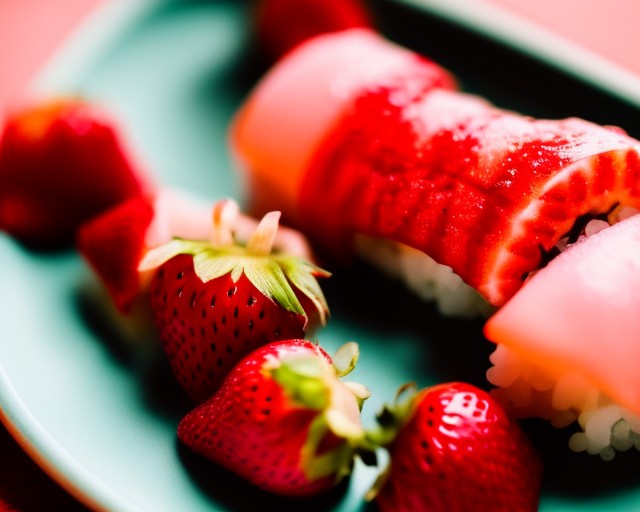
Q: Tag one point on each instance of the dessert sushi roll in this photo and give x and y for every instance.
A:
(568, 342)
(372, 150)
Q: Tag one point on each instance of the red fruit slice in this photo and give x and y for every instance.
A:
(61, 163)
(482, 190)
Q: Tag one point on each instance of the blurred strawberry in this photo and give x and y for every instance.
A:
(61, 163)
(113, 243)
(283, 24)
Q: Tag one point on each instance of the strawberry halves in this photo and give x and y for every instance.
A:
(282, 419)
(453, 449)
(61, 163)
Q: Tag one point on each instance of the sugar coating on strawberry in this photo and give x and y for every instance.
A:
(216, 301)
(455, 449)
(282, 420)
(61, 163)
(283, 24)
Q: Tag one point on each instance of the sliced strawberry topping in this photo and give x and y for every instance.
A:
(61, 163)
(484, 191)
(305, 94)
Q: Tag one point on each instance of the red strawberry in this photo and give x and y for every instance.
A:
(61, 163)
(455, 449)
(282, 419)
(113, 244)
(214, 303)
(283, 24)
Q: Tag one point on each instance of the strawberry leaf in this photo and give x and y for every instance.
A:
(302, 274)
(346, 358)
(210, 264)
(304, 381)
(277, 276)
(155, 257)
(268, 277)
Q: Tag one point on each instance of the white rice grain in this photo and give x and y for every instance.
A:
(606, 427)
(424, 276)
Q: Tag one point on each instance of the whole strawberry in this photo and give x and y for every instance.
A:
(214, 302)
(282, 419)
(61, 163)
(454, 449)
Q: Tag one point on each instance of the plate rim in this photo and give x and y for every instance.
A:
(534, 40)
(72, 57)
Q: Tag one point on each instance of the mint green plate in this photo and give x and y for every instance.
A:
(98, 416)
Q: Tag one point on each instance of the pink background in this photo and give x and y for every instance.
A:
(31, 29)
(607, 27)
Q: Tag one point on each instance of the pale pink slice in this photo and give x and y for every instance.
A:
(581, 314)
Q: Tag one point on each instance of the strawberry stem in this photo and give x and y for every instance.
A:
(346, 358)
(225, 213)
(261, 242)
(393, 416)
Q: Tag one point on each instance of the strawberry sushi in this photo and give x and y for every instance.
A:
(377, 153)
(482, 209)
(568, 341)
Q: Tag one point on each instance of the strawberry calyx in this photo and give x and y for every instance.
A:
(392, 417)
(389, 421)
(312, 382)
(277, 275)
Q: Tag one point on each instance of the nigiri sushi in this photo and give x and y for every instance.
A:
(370, 148)
(569, 341)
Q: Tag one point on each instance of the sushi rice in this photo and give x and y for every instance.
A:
(529, 390)
(525, 389)
(425, 277)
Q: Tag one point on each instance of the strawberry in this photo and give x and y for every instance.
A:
(453, 448)
(113, 244)
(215, 302)
(282, 419)
(283, 24)
(114, 241)
(61, 163)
